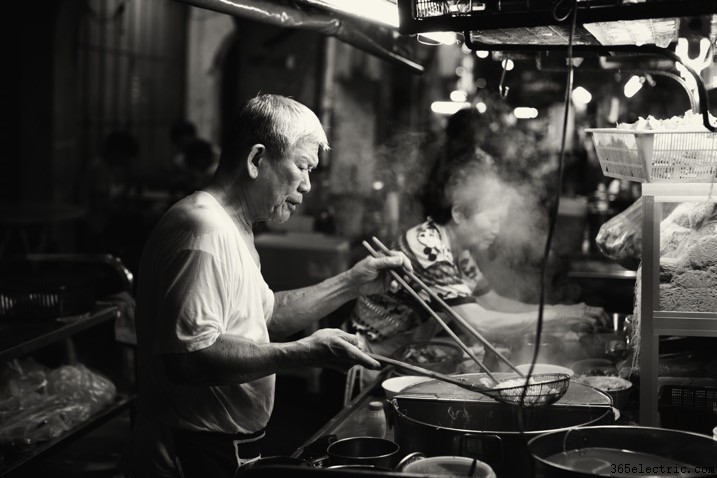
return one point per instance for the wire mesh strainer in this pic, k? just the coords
(543, 389)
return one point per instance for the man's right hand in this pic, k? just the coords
(334, 348)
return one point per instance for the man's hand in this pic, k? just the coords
(334, 348)
(369, 275)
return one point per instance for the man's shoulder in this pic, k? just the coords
(197, 209)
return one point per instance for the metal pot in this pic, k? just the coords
(364, 451)
(481, 428)
(667, 446)
(450, 466)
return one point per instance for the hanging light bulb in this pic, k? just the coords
(632, 86)
(448, 107)
(525, 112)
(459, 96)
(581, 95)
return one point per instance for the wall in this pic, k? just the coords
(210, 37)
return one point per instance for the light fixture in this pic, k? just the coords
(581, 95)
(482, 53)
(377, 185)
(507, 64)
(380, 11)
(525, 112)
(437, 38)
(632, 86)
(459, 96)
(448, 107)
(481, 107)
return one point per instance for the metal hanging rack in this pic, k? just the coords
(703, 102)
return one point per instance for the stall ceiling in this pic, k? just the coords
(372, 38)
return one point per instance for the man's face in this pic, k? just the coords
(288, 180)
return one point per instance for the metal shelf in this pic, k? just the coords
(120, 405)
(534, 13)
(19, 337)
(22, 336)
(654, 322)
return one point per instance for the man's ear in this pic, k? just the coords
(254, 159)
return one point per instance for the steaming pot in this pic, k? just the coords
(436, 418)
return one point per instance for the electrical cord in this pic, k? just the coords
(553, 212)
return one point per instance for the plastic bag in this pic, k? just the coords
(620, 238)
(38, 404)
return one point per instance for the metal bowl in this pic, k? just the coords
(436, 356)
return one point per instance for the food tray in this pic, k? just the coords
(649, 156)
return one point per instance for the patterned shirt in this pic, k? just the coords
(382, 316)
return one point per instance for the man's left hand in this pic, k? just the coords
(369, 275)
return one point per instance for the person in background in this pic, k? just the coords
(464, 203)
(204, 312)
(201, 161)
(181, 133)
(195, 161)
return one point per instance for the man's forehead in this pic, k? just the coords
(307, 151)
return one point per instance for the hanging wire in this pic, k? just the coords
(554, 210)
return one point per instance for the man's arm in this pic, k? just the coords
(233, 359)
(295, 310)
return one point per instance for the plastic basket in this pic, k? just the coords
(692, 408)
(689, 397)
(656, 156)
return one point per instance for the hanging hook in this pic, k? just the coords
(502, 89)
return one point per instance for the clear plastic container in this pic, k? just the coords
(375, 424)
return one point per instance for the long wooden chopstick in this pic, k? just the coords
(450, 310)
(435, 316)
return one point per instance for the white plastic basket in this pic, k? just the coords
(653, 156)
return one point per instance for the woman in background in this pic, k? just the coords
(464, 203)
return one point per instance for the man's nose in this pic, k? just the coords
(305, 184)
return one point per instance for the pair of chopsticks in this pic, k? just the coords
(435, 316)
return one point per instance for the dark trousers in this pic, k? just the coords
(214, 454)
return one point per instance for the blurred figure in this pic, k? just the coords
(181, 133)
(195, 159)
(201, 161)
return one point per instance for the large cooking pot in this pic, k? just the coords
(364, 451)
(441, 419)
(622, 451)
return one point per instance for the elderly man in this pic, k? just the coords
(204, 312)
